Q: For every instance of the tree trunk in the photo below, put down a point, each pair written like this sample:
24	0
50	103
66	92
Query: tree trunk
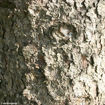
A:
52	52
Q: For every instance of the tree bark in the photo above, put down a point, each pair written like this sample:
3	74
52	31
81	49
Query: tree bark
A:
52	52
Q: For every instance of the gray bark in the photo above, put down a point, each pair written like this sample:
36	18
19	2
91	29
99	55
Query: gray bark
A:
52	52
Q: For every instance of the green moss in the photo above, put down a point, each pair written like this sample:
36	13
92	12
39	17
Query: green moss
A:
7	4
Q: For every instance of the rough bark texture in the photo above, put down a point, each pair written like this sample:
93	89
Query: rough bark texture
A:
52	52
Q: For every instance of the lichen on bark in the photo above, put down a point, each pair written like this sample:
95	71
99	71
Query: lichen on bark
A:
52	52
